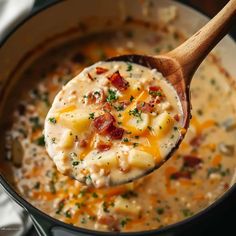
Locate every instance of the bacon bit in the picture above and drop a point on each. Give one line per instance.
(110, 221)
(181, 174)
(191, 161)
(124, 104)
(226, 186)
(145, 107)
(118, 81)
(116, 133)
(96, 97)
(103, 146)
(100, 70)
(107, 107)
(196, 141)
(91, 99)
(104, 124)
(83, 143)
(90, 77)
(176, 117)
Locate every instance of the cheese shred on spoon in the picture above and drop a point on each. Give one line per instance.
(113, 123)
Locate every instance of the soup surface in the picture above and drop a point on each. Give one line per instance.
(199, 172)
(113, 122)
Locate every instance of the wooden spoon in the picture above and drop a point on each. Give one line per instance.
(179, 65)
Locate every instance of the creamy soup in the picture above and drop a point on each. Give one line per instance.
(199, 172)
(112, 123)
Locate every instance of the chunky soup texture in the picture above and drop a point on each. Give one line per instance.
(112, 123)
(198, 173)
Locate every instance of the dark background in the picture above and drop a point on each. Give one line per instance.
(223, 222)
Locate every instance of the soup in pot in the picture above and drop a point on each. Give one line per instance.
(197, 174)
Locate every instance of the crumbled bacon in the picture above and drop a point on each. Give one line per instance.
(116, 133)
(118, 81)
(110, 221)
(196, 141)
(145, 107)
(107, 107)
(96, 97)
(100, 70)
(124, 104)
(191, 161)
(176, 117)
(101, 146)
(181, 174)
(83, 143)
(104, 123)
(90, 77)
(91, 99)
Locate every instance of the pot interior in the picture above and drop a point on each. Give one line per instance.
(71, 25)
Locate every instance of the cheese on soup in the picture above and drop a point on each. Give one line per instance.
(112, 123)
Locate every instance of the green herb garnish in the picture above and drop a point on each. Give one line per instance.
(91, 116)
(112, 96)
(52, 120)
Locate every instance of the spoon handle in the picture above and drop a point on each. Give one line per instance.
(193, 51)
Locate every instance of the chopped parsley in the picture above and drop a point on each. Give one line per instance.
(131, 98)
(60, 207)
(105, 207)
(160, 211)
(68, 214)
(94, 194)
(52, 120)
(112, 96)
(136, 113)
(129, 194)
(41, 141)
(135, 144)
(129, 67)
(37, 185)
(75, 163)
(124, 221)
(186, 212)
(126, 140)
(35, 122)
(91, 116)
(155, 93)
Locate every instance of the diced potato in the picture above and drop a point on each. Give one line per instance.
(141, 159)
(124, 206)
(138, 125)
(162, 124)
(67, 139)
(108, 159)
(75, 120)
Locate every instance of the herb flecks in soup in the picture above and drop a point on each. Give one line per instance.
(112, 123)
(199, 172)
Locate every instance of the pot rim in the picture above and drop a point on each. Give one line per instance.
(35, 211)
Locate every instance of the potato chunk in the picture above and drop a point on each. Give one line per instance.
(67, 139)
(137, 125)
(124, 206)
(106, 159)
(75, 120)
(141, 159)
(162, 124)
